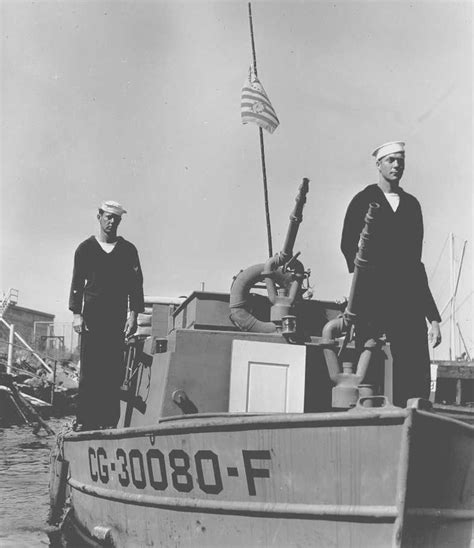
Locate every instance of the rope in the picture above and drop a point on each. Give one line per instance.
(439, 258)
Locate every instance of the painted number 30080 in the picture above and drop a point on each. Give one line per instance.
(154, 469)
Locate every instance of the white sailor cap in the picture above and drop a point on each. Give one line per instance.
(388, 148)
(115, 208)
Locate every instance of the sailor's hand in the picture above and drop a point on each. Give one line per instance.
(78, 323)
(130, 324)
(434, 335)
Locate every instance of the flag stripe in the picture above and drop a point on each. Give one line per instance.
(247, 109)
(261, 121)
(246, 89)
(265, 125)
(258, 119)
(257, 115)
(263, 112)
(254, 95)
(268, 106)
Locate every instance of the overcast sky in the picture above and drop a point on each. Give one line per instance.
(140, 102)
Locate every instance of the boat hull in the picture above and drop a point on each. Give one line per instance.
(336, 479)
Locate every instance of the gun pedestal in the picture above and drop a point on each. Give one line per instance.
(346, 376)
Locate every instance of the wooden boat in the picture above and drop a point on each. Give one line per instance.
(232, 438)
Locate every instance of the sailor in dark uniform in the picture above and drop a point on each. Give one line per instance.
(107, 281)
(400, 301)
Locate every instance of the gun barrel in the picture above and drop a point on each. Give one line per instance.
(295, 219)
(361, 278)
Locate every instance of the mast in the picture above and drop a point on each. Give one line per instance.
(452, 321)
(454, 329)
(262, 147)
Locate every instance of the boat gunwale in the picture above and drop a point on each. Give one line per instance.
(446, 419)
(212, 422)
(232, 422)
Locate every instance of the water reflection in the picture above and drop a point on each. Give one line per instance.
(24, 476)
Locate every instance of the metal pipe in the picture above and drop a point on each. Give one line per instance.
(35, 354)
(296, 284)
(242, 284)
(53, 386)
(370, 347)
(245, 321)
(331, 331)
(268, 271)
(239, 313)
(11, 339)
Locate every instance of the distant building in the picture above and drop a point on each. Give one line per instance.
(31, 324)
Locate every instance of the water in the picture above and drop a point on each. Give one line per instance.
(24, 477)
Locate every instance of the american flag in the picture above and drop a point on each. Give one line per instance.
(255, 106)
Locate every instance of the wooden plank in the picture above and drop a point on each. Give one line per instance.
(455, 372)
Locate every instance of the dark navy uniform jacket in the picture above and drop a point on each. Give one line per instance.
(104, 284)
(401, 285)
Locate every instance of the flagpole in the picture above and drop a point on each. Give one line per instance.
(262, 148)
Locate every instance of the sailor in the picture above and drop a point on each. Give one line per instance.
(400, 300)
(107, 282)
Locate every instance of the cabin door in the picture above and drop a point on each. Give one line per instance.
(267, 377)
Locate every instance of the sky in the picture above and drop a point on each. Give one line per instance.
(139, 102)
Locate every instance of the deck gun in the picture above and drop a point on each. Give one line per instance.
(346, 392)
(283, 275)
